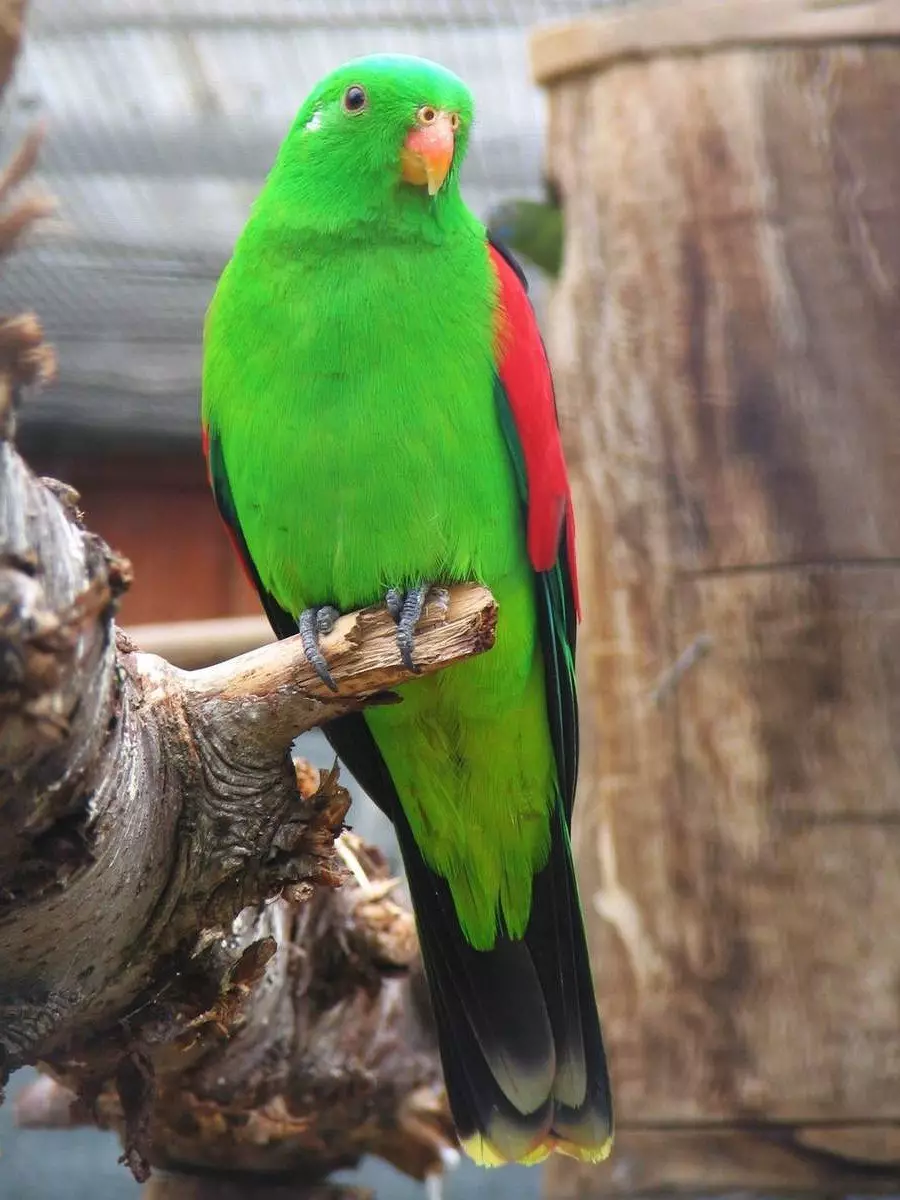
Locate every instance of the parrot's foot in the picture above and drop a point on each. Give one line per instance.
(406, 609)
(312, 624)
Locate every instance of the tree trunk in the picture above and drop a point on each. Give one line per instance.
(726, 351)
(162, 950)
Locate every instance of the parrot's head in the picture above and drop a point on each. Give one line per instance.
(379, 136)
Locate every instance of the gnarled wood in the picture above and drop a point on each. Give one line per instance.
(147, 814)
(151, 820)
(290, 1047)
(724, 339)
(89, 729)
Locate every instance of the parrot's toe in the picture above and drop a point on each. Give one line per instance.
(393, 602)
(312, 624)
(406, 608)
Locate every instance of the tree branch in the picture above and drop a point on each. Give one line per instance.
(142, 808)
(274, 691)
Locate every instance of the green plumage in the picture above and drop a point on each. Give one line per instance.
(363, 449)
(349, 395)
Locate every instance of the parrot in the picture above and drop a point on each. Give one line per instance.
(532, 227)
(378, 419)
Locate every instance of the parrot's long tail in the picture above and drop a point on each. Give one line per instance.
(517, 1025)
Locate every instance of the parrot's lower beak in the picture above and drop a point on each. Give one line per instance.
(428, 152)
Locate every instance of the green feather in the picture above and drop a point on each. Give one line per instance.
(358, 442)
(351, 386)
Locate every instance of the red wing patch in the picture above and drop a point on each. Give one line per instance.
(525, 373)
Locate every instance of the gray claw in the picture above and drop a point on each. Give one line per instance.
(409, 619)
(312, 624)
(326, 616)
(393, 602)
(406, 608)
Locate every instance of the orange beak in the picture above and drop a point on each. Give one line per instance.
(428, 152)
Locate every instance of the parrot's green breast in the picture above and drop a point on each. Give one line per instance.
(354, 400)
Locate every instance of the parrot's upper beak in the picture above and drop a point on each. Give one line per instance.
(428, 150)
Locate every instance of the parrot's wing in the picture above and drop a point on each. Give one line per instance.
(527, 407)
(555, 935)
(283, 624)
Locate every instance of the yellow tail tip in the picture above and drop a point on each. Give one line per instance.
(586, 1154)
(481, 1152)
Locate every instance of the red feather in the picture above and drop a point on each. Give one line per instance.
(525, 373)
(237, 542)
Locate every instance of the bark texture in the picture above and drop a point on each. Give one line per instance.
(160, 946)
(724, 338)
(175, 950)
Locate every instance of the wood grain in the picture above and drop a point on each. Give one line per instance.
(654, 1162)
(724, 340)
(159, 856)
(275, 686)
(640, 31)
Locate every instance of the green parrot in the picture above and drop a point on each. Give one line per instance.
(532, 227)
(378, 418)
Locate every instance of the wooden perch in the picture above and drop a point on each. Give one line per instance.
(164, 953)
(276, 688)
(148, 815)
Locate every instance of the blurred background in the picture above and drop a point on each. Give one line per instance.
(162, 118)
(724, 341)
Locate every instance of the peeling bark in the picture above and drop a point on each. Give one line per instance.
(159, 947)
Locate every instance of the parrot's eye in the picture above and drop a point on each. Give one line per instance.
(454, 121)
(426, 115)
(355, 98)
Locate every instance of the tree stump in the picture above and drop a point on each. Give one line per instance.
(726, 343)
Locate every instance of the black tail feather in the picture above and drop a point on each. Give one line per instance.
(556, 939)
(511, 1046)
(517, 1020)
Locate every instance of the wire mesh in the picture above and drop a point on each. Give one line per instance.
(162, 119)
